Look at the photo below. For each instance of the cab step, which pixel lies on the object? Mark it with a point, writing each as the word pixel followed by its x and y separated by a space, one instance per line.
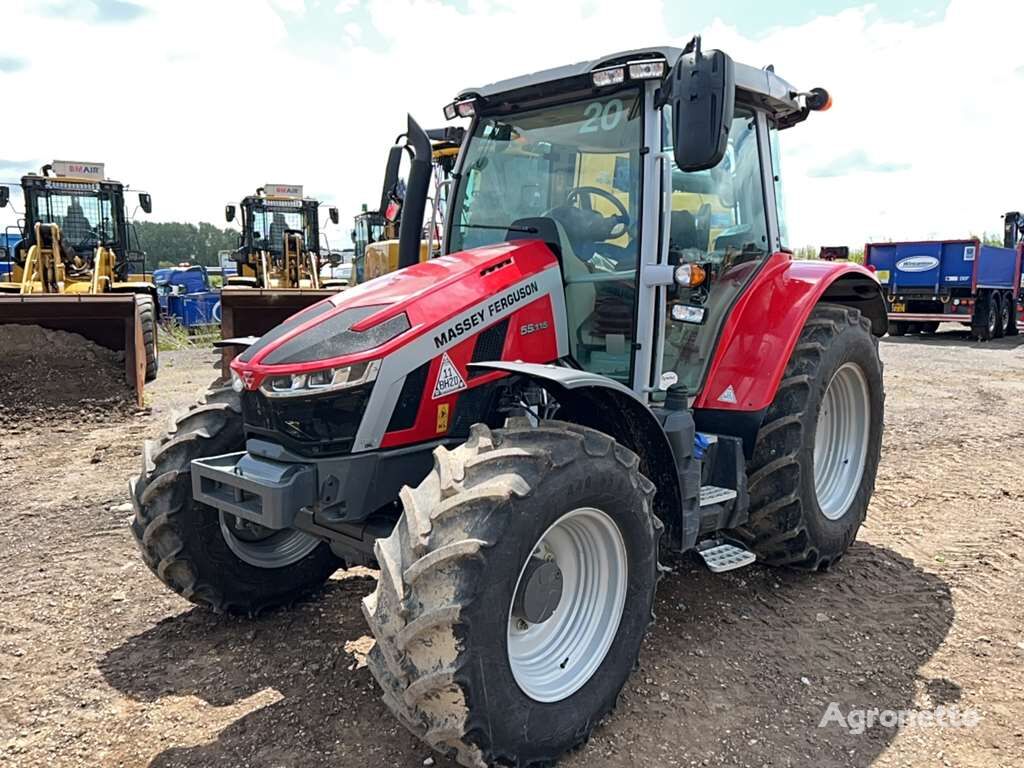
pixel 721 556
pixel 712 494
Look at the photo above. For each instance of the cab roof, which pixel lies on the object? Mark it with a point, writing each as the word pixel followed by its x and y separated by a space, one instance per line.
pixel 761 86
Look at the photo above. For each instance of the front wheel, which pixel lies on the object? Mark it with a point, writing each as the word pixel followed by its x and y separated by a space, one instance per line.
pixel 147 320
pixel 210 558
pixel 514 592
pixel 813 469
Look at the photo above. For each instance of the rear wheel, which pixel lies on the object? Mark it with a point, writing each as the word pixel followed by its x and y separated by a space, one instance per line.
pixel 814 464
pixel 211 558
pixel 514 592
pixel 986 317
pixel 1011 321
pixel 147 319
pixel 1002 315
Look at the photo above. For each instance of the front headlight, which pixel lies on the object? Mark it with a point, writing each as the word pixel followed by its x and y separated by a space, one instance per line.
pixel 326 380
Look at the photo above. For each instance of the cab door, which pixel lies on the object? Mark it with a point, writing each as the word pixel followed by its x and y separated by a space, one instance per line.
pixel 723 227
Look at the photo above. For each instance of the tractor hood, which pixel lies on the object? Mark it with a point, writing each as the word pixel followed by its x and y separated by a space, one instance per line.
pixel 378 318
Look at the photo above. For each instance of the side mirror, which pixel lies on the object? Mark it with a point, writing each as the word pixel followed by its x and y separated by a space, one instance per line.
pixel 703 98
pixel 352 234
pixel 146 202
pixel 333 213
pixel 229 213
pixel 5 196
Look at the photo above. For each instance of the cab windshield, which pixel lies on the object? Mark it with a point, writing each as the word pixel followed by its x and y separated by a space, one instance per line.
pixel 270 223
pixel 85 219
pixel 578 164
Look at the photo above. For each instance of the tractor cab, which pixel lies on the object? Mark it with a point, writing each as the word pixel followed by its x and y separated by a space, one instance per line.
pixel 656 243
pixel 280 242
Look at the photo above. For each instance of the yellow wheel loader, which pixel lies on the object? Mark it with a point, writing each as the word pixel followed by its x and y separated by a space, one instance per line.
pixel 278 262
pixel 376 233
pixel 70 269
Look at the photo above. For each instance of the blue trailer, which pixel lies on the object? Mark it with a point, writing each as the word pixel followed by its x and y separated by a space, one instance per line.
pixel 186 296
pixel 961 281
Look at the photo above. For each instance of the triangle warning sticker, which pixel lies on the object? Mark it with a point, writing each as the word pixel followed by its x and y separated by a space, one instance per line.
pixel 449 379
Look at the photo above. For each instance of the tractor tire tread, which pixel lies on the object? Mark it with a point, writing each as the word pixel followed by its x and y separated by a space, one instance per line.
pixel 416 613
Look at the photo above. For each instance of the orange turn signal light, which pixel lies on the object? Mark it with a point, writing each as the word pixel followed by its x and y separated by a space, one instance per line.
pixel 690 275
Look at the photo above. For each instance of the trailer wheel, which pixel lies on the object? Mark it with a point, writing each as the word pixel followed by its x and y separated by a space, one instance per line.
pixel 204 556
pixel 816 455
pixel 1002 315
pixel 898 328
pixel 147 319
pixel 1011 322
pixel 514 592
pixel 986 317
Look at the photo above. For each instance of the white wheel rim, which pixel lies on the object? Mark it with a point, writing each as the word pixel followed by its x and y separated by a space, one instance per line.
pixel 275 549
pixel 555 658
pixel 841 440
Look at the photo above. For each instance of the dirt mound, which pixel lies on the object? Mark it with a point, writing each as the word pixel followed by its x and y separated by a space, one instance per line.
pixel 54 373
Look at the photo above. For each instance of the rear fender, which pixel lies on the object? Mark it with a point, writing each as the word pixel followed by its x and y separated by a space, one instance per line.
pixel 596 401
pixel 763 328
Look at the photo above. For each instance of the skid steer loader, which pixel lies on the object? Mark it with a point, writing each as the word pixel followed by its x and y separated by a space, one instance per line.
pixel 70 268
pixel 510 432
pixel 375 233
pixel 278 262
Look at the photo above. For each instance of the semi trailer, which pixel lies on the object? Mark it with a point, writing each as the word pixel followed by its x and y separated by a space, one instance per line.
pixel 929 282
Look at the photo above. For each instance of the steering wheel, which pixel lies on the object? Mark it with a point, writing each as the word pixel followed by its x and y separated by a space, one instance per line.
pixel 583 195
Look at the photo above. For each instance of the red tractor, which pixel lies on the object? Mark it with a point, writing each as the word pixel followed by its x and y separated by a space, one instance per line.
pixel 616 354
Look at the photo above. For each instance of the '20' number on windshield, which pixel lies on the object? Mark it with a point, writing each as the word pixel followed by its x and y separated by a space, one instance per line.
pixel 602 116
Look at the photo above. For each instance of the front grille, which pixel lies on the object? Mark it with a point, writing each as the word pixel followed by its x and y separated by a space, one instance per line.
pixel 318 425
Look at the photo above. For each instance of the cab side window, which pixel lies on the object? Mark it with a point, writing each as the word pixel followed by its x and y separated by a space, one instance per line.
pixel 719 226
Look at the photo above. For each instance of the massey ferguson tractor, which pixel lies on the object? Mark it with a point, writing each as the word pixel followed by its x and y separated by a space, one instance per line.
pixel 615 355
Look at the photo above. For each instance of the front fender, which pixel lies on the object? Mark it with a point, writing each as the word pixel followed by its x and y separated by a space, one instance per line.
pixel 761 331
pixel 593 400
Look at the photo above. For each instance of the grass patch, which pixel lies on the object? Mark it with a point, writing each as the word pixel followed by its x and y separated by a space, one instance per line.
pixel 173 335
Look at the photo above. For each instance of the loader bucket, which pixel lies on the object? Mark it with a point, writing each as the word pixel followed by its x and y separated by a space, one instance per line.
pixel 255 311
pixel 110 320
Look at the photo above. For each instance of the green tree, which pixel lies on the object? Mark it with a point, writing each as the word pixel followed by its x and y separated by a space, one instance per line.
pixel 170 242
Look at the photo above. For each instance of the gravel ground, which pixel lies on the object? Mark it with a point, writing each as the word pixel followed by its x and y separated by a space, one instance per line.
pixel 100 665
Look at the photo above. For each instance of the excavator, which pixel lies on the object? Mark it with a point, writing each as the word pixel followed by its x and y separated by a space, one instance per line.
pixel 278 262
pixel 69 270
pixel 375 233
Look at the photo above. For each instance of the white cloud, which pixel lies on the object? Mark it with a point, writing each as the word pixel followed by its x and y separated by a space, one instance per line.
pixel 296 7
pixel 345 6
pixel 927 110
pixel 930 108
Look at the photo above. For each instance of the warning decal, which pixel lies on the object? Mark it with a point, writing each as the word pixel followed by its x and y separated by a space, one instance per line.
pixel 449 379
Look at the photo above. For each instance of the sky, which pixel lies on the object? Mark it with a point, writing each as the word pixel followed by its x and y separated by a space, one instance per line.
pixel 201 101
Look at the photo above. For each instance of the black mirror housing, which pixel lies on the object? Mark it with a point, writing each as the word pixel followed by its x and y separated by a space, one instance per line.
pixel 146 202
pixel 5 196
pixel 229 213
pixel 703 98
pixel 332 212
